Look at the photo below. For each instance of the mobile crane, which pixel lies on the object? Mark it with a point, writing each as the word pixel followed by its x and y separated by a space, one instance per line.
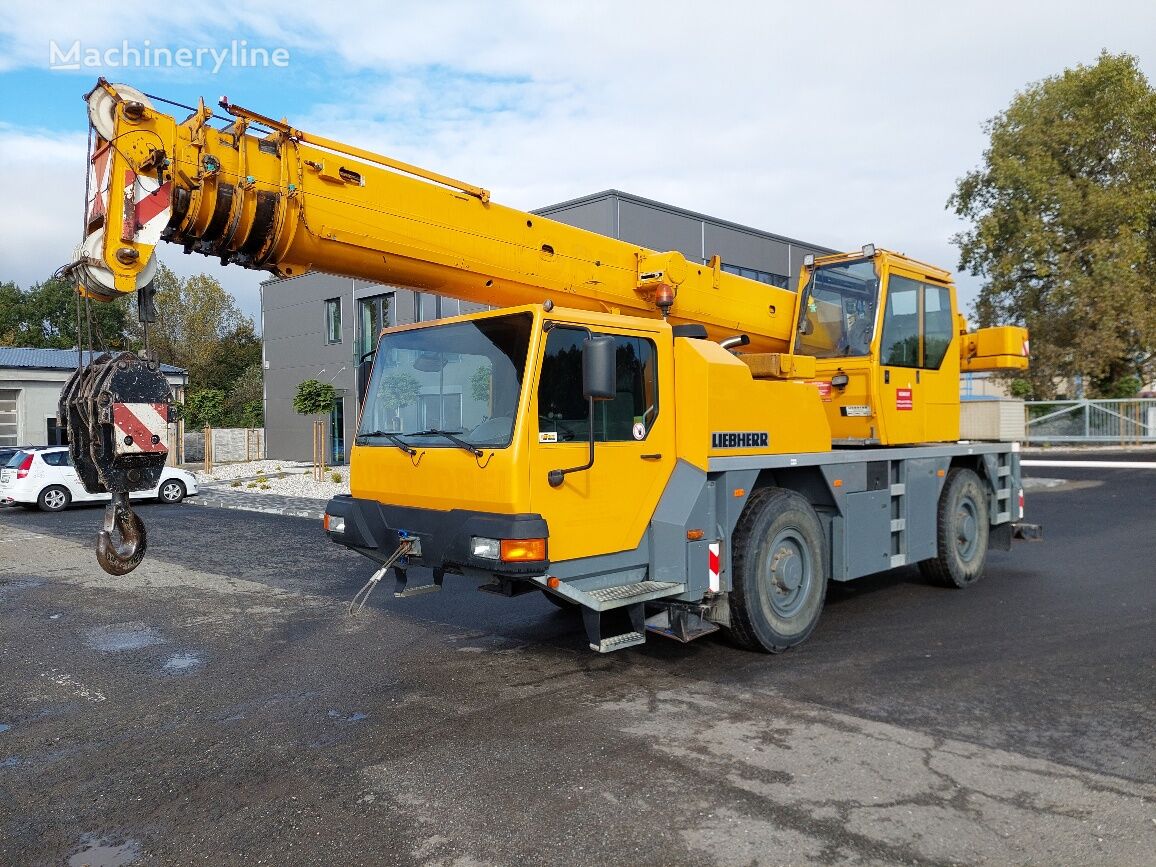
pixel 626 430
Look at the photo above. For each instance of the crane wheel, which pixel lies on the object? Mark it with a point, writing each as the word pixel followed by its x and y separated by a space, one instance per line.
pixel 962 531
pixel 780 572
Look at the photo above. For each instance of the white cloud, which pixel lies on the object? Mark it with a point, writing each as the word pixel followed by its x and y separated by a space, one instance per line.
pixel 833 122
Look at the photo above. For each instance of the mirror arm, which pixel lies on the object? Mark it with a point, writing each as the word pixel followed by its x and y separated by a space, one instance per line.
pixel 556 477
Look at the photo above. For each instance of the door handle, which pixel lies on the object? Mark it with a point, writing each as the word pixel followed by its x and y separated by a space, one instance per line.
pixel 656 457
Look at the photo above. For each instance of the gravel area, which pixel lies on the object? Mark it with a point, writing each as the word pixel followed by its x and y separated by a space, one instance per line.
pixel 280 478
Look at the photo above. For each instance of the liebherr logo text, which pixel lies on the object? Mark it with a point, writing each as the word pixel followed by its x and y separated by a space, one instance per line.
pixel 738 440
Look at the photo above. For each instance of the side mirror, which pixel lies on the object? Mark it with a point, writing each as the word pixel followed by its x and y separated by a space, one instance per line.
pixel 599 379
pixel 364 368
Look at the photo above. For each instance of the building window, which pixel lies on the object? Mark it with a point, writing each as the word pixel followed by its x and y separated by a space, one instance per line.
pixel 373 314
pixel 767 277
pixel 427 306
pixel 57 434
pixel 8 416
pixel 337 428
pixel 333 320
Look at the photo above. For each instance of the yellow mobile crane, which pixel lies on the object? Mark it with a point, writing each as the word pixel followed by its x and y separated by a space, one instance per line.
pixel 628 430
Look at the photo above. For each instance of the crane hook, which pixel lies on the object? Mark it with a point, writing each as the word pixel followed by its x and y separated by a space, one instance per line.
pixel 120 558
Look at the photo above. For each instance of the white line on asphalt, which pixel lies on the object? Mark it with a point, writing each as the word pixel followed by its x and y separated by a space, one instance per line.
pixel 1109 465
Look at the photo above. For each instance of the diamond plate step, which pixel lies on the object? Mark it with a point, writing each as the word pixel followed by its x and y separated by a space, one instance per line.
pixel 618 642
pixel 625 594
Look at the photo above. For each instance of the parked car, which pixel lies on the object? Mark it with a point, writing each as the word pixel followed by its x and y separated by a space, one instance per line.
pixel 6 452
pixel 45 478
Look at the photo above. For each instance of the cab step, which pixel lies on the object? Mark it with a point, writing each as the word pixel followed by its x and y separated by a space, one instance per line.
pixel 618 642
pixel 592 620
pixel 616 596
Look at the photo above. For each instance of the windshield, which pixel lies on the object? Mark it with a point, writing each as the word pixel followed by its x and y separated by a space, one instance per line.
pixel 839 303
pixel 464 378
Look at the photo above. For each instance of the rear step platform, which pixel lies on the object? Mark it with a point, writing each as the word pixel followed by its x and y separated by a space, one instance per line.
pixel 592 620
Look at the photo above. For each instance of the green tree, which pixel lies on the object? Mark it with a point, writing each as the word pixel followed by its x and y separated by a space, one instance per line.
pixel 205 408
pixel 200 328
pixel 44 317
pixel 1063 224
pixel 397 390
pixel 245 404
pixel 314 397
pixel 480 381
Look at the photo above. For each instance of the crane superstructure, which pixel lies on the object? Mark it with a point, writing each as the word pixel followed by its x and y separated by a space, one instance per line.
pixel 626 429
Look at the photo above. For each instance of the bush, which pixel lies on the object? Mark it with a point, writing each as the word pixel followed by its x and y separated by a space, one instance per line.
pixel 337 477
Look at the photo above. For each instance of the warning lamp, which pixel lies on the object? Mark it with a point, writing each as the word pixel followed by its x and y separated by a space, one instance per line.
pixel 515 550
pixel 664 298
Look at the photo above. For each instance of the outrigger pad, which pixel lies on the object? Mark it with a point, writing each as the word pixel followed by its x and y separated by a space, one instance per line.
pixel 117 409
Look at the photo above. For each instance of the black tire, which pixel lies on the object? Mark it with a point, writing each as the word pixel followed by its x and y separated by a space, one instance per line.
pixel 54 498
pixel 962 532
pixel 780 572
pixel 171 491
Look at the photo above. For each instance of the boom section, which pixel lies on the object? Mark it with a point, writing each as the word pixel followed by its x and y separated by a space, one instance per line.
pixel 261 194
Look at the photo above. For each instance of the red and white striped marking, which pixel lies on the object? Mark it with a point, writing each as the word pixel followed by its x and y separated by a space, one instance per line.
pixel 101 161
pixel 712 565
pixel 135 425
pixel 149 214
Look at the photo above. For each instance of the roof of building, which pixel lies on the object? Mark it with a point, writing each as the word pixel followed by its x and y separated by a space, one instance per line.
pixel 682 212
pixel 56 359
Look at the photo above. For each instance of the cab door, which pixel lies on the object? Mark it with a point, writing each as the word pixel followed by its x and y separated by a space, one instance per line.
pixel 608 507
pixel 918 373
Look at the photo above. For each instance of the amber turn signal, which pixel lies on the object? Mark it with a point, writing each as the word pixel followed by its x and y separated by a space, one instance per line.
pixel 694 535
pixel 514 550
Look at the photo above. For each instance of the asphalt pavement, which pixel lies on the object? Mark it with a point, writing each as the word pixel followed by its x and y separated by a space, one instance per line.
pixel 219 706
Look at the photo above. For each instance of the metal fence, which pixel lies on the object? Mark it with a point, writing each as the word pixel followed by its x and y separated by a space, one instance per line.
pixel 1091 421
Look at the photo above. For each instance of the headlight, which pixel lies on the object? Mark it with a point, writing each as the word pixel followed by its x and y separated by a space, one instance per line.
pixel 489 549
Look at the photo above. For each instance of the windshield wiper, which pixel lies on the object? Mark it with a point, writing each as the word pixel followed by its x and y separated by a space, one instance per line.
pixel 460 443
pixel 392 437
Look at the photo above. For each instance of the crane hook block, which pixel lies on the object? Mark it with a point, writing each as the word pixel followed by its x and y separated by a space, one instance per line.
pixel 117 410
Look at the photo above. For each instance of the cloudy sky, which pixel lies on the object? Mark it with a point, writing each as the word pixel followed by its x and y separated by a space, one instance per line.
pixel 837 123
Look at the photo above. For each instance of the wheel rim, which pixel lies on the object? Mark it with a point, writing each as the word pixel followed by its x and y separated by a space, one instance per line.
pixel 171 492
pixel 54 499
pixel 789 574
pixel 966 529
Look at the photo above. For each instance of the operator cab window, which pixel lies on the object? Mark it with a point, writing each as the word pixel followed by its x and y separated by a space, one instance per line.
pixel 838 317
pixel 917 327
pixel 563 413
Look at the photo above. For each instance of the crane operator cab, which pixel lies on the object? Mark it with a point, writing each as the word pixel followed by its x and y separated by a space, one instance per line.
pixel 882 329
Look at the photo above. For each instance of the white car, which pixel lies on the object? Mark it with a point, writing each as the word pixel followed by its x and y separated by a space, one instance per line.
pixel 45 478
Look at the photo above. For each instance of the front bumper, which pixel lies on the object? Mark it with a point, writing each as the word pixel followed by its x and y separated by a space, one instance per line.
pixel 375 530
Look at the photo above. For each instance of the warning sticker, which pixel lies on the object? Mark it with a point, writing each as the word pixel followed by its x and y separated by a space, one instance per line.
pixel 904 399
pixel 824 388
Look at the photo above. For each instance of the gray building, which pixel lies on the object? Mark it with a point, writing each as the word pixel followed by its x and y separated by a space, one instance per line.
pixel 30 384
pixel 319 326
